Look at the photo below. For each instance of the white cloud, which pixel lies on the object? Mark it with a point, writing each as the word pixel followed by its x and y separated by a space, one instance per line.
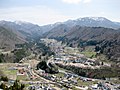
pixel 76 1
pixel 72 1
pixel 40 15
pixel 86 1
pixel 102 13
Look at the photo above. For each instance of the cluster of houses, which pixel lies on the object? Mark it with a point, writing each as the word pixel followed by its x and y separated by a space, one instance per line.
pixel 61 55
pixel 40 87
pixel 21 69
pixel 68 80
pixel 24 70
pixel 103 86
pixel 75 60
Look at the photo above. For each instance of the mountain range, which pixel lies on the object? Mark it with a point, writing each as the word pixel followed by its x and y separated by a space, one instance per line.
pixel 97 31
pixel 93 22
pixel 82 28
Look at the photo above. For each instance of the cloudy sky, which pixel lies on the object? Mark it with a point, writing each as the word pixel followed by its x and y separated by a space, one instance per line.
pixel 50 11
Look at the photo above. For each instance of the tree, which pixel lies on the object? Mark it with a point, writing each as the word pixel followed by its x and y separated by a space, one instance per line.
pixel 50 68
pixel 19 54
pixel 4 78
pixel 102 63
pixel 71 45
pixel 1 58
pixel 3 86
pixel 16 86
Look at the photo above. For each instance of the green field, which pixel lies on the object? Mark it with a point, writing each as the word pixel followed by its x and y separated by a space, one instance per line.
pixel 60 74
pixel 71 50
pixel 22 77
pixel 89 54
pixel 4 68
pixel 86 83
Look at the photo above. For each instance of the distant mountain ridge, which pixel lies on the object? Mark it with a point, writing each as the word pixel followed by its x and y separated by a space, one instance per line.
pixel 27 29
pixel 64 27
pixel 31 30
pixel 59 30
pixel 24 30
pixel 94 22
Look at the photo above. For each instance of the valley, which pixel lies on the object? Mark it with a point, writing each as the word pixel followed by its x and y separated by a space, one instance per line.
pixel 62 56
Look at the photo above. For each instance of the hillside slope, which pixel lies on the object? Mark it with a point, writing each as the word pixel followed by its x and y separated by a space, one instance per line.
pixel 25 29
pixel 8 38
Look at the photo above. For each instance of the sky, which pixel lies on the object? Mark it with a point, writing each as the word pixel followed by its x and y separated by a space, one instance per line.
pixel 44 12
